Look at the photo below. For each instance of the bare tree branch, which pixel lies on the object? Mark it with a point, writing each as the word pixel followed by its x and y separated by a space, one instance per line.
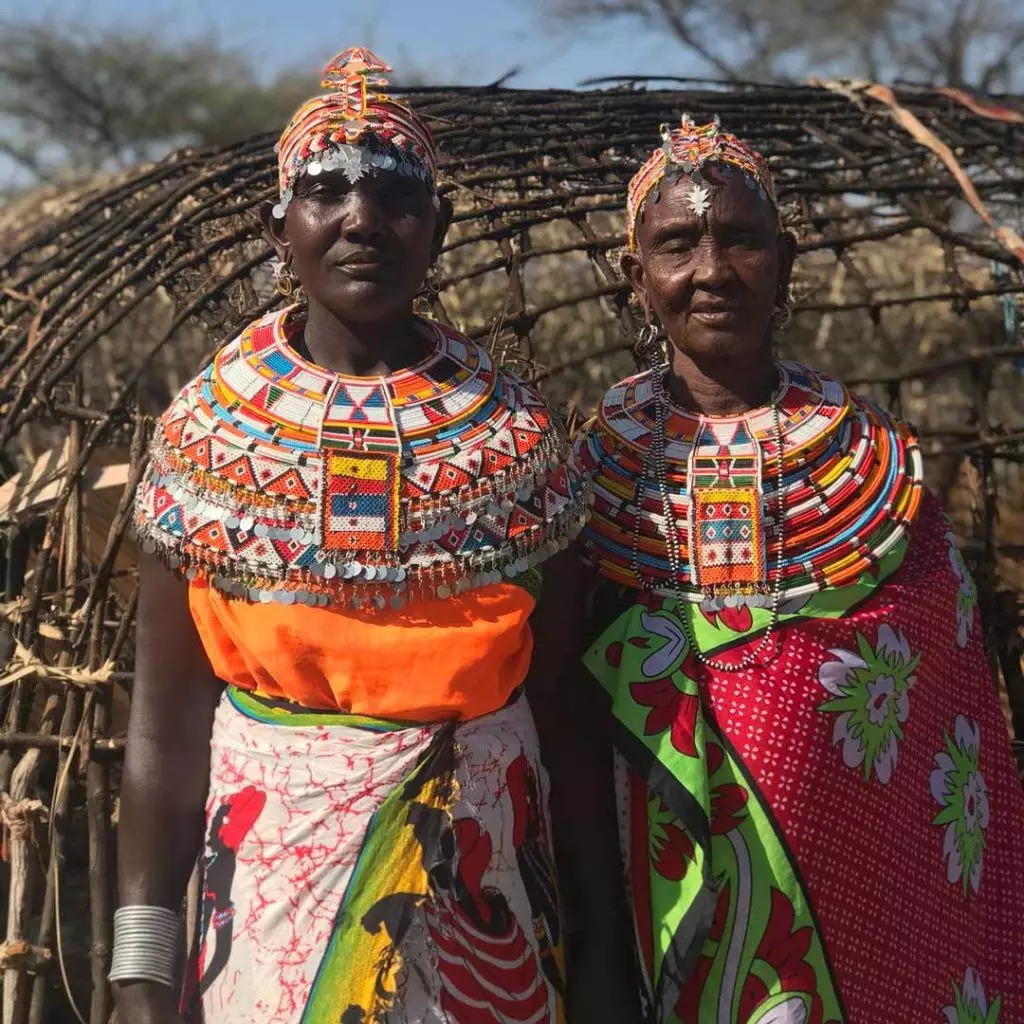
pixel 1000 71
pixel 947 42
pixel 674 17
pixel 71 99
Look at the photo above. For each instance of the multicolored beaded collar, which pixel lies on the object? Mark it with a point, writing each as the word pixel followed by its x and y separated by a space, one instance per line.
pixel 851 487
pixel 279 481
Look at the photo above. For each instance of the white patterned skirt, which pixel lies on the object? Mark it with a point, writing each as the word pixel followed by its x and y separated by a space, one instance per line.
pixel 358 871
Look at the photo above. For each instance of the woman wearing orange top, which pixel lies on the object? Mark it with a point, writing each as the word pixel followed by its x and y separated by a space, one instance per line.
pixel 342 526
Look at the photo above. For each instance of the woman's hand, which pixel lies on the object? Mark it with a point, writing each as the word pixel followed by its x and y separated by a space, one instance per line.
pixel 145 1002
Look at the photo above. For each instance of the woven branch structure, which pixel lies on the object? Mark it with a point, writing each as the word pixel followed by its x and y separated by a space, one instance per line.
pixel 907 287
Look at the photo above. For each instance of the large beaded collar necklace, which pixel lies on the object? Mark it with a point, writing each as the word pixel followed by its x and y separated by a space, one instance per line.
pixel 728 518
pixel 276 480
pixel 716 511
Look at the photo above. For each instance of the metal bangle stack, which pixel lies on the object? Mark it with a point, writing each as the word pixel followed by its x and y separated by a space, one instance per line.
pixel 145 945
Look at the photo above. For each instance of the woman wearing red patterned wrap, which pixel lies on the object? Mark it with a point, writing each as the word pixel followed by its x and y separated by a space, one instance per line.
pixel 343 525
pixel 817 803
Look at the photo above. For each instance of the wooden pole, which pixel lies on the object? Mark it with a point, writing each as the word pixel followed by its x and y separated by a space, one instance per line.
pixel 97 782
pixel 21 824
pixel 49 923
pixel 25 842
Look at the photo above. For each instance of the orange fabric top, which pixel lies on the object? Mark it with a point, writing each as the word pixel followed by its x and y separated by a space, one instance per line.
pixel 456 658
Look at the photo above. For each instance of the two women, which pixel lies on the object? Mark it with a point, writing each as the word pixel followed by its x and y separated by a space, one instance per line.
pixel 345 521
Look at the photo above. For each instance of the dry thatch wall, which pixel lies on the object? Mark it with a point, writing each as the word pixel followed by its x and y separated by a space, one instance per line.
pixel 113 295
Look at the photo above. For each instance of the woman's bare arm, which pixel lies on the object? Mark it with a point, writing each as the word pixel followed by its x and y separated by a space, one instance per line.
pixel 572 721
pixel 167 766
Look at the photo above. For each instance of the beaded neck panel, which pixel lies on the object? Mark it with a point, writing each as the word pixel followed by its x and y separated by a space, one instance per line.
pixel 851 482
pixel 276 480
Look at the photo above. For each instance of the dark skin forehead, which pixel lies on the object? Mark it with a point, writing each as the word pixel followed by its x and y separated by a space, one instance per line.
pixel 733 206
pixel 375 182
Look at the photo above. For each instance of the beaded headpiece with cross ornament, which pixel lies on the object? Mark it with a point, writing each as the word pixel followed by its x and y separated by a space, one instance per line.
pixel 355 128
pixel 683 153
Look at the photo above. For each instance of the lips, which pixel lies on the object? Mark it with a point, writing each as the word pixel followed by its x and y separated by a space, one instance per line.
pixel 363 265
pixel 714 314
pixel 707 309
pixel 361 258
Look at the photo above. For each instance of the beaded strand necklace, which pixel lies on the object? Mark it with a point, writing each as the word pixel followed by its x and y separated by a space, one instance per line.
pixel 656 454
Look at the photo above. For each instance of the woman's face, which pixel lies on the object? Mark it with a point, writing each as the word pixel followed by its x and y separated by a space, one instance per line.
pixel 360 250
pixel 711 280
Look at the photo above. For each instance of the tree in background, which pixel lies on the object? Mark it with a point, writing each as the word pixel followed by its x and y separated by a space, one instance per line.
pixel 78 99
pixel 974 43
pixel 74 103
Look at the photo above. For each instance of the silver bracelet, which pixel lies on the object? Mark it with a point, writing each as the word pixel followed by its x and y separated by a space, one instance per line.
pixel 145 945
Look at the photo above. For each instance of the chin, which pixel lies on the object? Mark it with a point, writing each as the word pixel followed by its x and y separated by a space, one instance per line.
pixel 366 302
pixel 723 345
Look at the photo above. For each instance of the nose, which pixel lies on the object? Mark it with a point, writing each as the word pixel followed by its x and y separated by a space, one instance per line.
pixel 710 266
pixel 359 220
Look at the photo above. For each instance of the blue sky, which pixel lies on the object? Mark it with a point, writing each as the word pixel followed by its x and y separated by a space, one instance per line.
pixel 471 41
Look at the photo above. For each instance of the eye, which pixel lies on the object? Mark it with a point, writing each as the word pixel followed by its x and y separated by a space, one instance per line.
pixel 324 191
pixel 402 193
pixel 739 238
pixel 676 246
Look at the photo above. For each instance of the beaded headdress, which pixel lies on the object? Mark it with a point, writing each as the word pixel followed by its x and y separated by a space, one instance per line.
pixel 355 128
pixel 683 152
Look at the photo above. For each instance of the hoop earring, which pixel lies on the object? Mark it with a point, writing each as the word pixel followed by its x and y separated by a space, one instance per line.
pixel 647 349
pixel 423 304
pixel 285 280
pixel 432 282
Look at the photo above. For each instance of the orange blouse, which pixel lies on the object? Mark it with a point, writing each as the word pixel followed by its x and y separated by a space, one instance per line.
pixel 461 657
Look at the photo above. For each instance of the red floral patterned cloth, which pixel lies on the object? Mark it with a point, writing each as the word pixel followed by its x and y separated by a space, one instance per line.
pixel 836 834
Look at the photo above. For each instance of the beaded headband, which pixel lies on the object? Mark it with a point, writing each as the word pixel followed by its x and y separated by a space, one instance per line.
pixel 354 128
pixel 684 151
